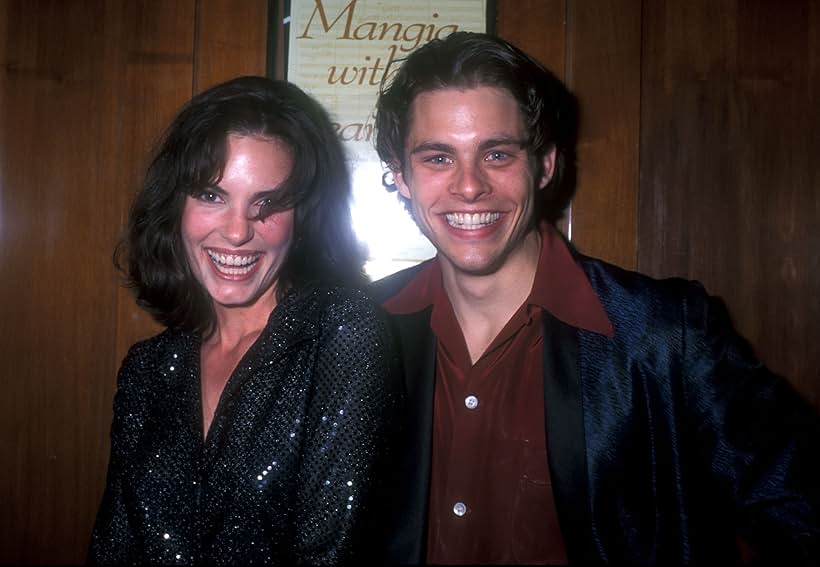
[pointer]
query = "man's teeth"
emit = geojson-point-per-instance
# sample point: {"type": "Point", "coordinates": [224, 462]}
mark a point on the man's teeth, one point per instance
{"type": "Point", "coordinates": [471, 221]}
{"type": "Point", "coordinates": [233, 264]}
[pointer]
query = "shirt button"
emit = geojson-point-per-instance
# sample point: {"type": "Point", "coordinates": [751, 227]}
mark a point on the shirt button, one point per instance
{"type": "Point", "coordinates": [459, 508]}
{"type": "Point", "coordinates": [471, 402]}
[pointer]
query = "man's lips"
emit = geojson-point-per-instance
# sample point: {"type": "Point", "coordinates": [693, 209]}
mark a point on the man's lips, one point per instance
{"type": "Point", "coordinates": [472, 221]}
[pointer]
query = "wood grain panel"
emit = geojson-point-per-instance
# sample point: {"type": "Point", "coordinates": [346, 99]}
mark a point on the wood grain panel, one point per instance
{"type": "Point", "coordinates": [57, 294]}
{"type": "Point", "coordinates": [74, 78]}
{"type": "Point", "coordinates": [52, 253]}
{"type": "Point", "coordinates": [729, 190]}
{"type": "Point", "coordinates": [603, 70]}
{"type": "Point", "coordinates": [689, 189]}
{"type": "Point", "coordinates": [538, 27]}
{"type": "Point", "coordinates": [776, 159]}
{"type": "Point", "coordinates": [277, 39]}
{"type": "Point", "coordinates": [155, 80]}
{"type": "Point", "coordinates": [231, 41]}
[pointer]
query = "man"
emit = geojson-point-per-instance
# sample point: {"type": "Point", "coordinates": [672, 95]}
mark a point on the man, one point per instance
{"type": "Point", "coordinates": [562, 409]}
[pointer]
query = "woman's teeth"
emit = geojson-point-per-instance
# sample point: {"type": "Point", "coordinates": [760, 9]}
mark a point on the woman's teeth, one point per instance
{"type": "Point", "coordinates": [233, 264]}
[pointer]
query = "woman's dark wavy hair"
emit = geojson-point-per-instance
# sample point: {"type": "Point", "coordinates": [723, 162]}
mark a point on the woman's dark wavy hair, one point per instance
{"type": "Point", "coordinates": [465, 60]}
{"type": "Point", "coordinates": [192, 156]}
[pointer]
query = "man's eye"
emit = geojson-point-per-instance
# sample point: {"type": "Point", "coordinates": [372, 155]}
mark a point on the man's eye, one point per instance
{"type": "Point", "coordinates": [497, 156]}
{"type": "Point", "coordinates": [438, 160]}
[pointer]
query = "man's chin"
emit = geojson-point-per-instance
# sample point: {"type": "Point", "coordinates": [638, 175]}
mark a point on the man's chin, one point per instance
{"type": "Point", "coordinates": [475, 267]}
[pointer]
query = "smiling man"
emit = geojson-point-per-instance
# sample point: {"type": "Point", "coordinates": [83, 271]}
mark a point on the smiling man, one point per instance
{"type": "Point", "coordinates": [564, 410]}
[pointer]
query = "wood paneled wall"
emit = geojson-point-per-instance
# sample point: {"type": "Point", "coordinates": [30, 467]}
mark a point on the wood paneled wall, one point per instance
{"type": "Point", "coordinates": [697, 159]}
{"type": "Point", "coordinates": [700, 132]}
{"type": "Point", "coordinates": [730, 175]}
{"type": "Point", "coordinates": [595, 46]}
{"type": "Point", "coordinates": [85, 89]}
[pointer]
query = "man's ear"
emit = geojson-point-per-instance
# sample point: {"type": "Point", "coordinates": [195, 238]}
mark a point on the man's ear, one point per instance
{"type": "Point", "coordinates": [404, 190]}
{"type": "Point", "coordinates": [548, 168]}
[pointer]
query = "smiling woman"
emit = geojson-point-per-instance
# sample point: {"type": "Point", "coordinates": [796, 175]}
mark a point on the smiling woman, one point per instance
{"type": "Point", "coordinates": [255, 429]}
{"type": "Point", "coordinates": [233, 254]}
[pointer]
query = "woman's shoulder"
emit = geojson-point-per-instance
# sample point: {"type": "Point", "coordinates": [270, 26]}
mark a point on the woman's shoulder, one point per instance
{"type": "Point", "coordinates": [328, 304]}
{"type": "Point", "coordinates": [146, 354]}
{"type": "Point", "coordinates": [356, 346]}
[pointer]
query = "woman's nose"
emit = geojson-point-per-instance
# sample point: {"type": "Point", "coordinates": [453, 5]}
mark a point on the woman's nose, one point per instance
{"type": "Point", "coordinates": [238, 228]}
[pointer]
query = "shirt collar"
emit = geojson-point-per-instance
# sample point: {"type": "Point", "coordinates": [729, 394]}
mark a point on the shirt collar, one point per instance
{"type": "Point", "coordinates": [420, 292]}
{"type": "Point", "coordinates": [561, 287]}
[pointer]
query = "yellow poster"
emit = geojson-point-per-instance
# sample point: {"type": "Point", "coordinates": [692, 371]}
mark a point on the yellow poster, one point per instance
{"type": "Point", "coordinates": [340, 51]}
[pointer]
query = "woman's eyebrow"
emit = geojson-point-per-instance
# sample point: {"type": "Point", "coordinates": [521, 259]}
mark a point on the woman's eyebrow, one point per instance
{"type": "Point", "coordinates": [212, 188]}
{"type": "Point", "coordinates": [265, 194]}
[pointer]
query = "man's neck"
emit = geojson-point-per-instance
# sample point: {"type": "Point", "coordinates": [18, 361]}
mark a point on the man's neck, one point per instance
{"type": "Point", "coordinates": [484, 303]}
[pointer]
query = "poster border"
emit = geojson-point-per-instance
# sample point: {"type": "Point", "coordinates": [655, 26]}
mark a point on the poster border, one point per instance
{"type": "Point", "coordinates": [276, 66]}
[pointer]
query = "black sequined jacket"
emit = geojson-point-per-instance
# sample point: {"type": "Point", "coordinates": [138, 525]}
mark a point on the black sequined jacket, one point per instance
{"type": "Point", "coordinates": [291, 468]}
{"type": "Point", "coordinates": [665, 442]}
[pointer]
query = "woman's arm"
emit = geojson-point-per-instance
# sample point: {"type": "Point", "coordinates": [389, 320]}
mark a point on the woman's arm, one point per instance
{"type": "Point", "coordinates": [353, 415]}
{"type": "Point", "coordinates": [112, 539]}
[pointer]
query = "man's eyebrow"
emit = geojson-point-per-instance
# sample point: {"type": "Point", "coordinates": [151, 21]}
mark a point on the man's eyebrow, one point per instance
{"type": "Point", "coordinates": [503, 141]}
{"type": "Point", "coordinates": [432, 147]}
{"type": "Point", "coordinates": [483, 146]}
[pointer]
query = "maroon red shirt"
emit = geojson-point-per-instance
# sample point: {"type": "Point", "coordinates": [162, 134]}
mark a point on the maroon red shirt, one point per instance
{"type": "Point", "coordinates": [491, 498]}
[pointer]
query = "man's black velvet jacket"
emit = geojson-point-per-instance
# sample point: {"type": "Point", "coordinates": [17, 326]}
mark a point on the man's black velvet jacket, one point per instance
{"type": "Point", "coordinates": [666, 443]}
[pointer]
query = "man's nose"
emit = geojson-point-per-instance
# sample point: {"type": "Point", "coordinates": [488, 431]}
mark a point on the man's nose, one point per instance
{"type": "Point", "coordinates": [470, 183]}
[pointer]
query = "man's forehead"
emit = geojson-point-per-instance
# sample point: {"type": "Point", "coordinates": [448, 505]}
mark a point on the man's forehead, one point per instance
{"type": "Point", "coordinates": [445, 111]}
{"type": "Point", "coordinates": [446, 91]}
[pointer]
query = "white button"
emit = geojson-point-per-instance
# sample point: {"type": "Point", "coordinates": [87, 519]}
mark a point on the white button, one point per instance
{"type": "Point", "coordinates": [459, 508]}
{"type": "Point", "coordinates": [471, 402]}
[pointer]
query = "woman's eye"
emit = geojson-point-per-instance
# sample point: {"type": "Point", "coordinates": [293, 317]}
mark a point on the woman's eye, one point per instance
{"type": "Point", "coordinates": [262, 205]}
{"type": "Point", "coordinates": [206, 196]}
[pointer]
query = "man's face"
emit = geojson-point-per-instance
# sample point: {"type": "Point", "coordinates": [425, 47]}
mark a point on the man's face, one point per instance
{"type": "Point", "coordinates": [470, 177]}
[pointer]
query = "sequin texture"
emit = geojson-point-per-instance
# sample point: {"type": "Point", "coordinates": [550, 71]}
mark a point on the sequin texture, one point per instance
{"type": "Point", "coordinates": [293, 464]}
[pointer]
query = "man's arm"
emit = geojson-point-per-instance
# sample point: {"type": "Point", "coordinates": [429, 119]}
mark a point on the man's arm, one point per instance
{"type": "Point", "coordinates": [759, 436]}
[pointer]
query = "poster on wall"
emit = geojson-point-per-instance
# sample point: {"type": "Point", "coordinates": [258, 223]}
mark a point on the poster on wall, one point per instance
{"type": "Point", "coordinates": [341, 51]}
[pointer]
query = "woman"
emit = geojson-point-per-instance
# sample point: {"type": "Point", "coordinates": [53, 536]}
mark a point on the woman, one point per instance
{"type": "Point", "coordinates": [254, 429]}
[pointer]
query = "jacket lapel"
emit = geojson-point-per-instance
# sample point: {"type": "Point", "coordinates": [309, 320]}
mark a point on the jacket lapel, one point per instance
{"type": "Point", "coordinates": [289, 324]}
{"type": "Point", "coordinates": [566, 441]}
{"type": "Point", "coordinates": [409, 540]}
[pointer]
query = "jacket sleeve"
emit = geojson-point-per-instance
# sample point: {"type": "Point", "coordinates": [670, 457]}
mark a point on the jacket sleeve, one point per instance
{"type": "Point", "coordinates": [352, 418]}
{"type": "Point", "coordinates": [758, 434]}
{"type": "Point", "coordinates": [112, 539]}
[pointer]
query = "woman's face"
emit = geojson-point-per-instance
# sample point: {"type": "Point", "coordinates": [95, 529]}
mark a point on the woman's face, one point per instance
{"type": "Point", "coordinates": [236, 258]}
